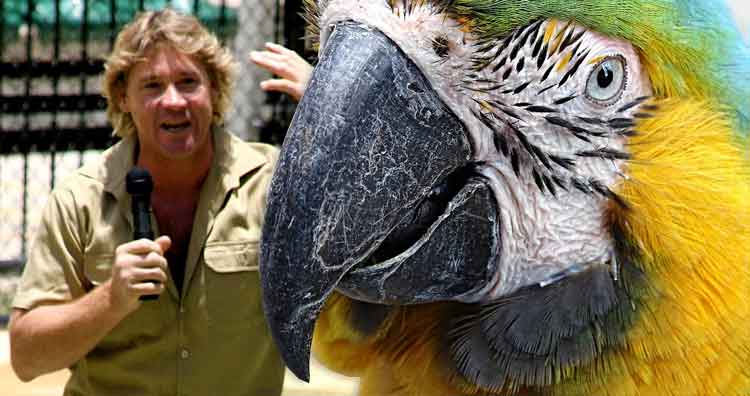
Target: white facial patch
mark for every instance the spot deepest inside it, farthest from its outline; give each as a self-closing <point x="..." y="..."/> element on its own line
<point x="548" y="108"/>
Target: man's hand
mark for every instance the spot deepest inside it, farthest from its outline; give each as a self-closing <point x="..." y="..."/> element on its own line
<point x="139" y="269"/>
<point x="294" y="71"/>
<point x="52" y="337"/>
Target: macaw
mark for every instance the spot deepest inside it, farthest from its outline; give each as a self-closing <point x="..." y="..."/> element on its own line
<point x="507" y="197"/>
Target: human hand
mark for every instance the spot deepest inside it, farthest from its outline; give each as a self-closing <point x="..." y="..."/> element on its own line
<point x="294" y="71"/>
<point x="139" y="269"/>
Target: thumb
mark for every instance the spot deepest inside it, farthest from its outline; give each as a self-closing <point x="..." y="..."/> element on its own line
<point x="164" y="242"/>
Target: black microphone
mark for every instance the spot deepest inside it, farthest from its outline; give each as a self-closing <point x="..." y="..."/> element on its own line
<point x="139" y="185"/>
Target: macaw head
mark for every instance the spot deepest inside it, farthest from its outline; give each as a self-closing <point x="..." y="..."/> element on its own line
<point x="563" y="170"/>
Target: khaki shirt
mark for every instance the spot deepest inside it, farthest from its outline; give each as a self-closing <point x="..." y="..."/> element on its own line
<point x="211" y="341"/>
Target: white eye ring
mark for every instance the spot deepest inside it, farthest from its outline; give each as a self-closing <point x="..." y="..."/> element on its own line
<point x="607" y="81"/>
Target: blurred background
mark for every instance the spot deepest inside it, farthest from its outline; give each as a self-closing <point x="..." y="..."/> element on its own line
<point x="52" y="116"/>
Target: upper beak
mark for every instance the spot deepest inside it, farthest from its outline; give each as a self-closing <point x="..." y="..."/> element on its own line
<point x="375" y="194"/>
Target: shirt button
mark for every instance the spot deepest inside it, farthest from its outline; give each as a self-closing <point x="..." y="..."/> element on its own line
<point x="184" y="353"/>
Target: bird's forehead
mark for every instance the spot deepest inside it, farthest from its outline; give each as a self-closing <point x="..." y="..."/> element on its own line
<point x="418" y="27"/>
<point x="399" y="23"/>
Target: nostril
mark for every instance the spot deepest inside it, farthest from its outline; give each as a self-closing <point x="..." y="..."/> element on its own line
<point x="414" y="87"/>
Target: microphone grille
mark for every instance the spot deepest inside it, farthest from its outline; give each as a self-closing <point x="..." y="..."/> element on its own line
<point x="138" y="181"/>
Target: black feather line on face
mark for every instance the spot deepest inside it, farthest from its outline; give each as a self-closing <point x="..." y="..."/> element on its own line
<point x="536" y="31"/>
<point x="574" y="53"/>
<point x="604" y="153"/>
<point x="514" y="161"/>
<point x="643" y="116"/>
<point x="591" y="120"/>
<point x="564" y="100"/>
<point x="501" y="144"/>
<point x="572" y="71"/>
<point x="486" y="47"/>
<point x="510" y="113"/>
<point x="540" y="109"/>
<point x="577" y="131"/>
<point x="546" y="75"/>
<point x="537" y="46"/>
<point x="559" y="182"/>
<point x="488" y="89"/>
<point x="581" y="186"/>
<point x="543" y="90"/>
<point x="566" y="163"/>
<point x="521" y="88"/>
<point x="621" y="123"/>
<point x="519" y="66"/>
<point x="499" y="64"/>
<point x="633" y="104"/>
<point x="542" y="56"/>
<point x="571" y="39"/>
<point x="507" y="73"/>
<point x="535" y="336"/>
<point x="550" y="186"/>
<point x="538" y="180"/>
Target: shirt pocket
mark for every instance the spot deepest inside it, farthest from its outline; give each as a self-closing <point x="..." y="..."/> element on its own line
<point x="138" y="327"/>
<point x="232" y="282"/>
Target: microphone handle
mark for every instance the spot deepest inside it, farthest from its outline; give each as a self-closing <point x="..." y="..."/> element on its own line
<point x="142" y="229"/>
<point x="141" y="218"/>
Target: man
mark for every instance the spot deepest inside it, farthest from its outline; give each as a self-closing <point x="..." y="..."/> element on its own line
<point x="167" y="84"/>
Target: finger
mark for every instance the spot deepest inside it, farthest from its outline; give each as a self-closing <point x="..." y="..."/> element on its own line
<point x="139" y="247"/>
<point x="146" y="288"/>
<point x="269" y="65"/>
<point x="265" y="56"/>
<point x="126" y="263"/>
<point x="282" y="70"/>
<point x="152" y="260"/>
<point x="282" y="85"/>
<point x="164" y="242"/>
<point x="141" y="275"/>
<point x="278" y="48"/>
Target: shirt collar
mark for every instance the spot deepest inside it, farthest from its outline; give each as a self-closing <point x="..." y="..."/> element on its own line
<point x="233" y="159"/>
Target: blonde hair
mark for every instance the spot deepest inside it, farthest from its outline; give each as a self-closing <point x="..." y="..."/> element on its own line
<point x="185" y="34"/>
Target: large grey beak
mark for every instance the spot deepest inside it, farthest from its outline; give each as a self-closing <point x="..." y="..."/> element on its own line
<point x="375" y="194"/>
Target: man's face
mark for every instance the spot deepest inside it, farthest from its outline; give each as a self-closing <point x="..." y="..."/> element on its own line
<point x="169" y="98"/>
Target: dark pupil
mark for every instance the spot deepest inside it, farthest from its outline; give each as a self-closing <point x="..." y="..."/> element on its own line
<point x="605" y="76"/>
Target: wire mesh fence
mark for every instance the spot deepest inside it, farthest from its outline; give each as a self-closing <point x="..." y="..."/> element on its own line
<point x="52" y="114"/>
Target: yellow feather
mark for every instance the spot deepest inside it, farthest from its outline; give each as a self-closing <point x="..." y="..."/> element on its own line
<point x="335" y="344"/>
<point x="564" y="61"/>
<point x="688" y="190"/>
<point x="550" y="30"/>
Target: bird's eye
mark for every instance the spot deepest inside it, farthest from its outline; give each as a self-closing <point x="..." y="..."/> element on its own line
<point x="607" y="81"/>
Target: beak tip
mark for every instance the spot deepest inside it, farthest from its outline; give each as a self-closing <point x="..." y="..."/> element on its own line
<point x="292" y="335"/>
<point x="302" y="371"/>
<point x="296" y="355"/>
